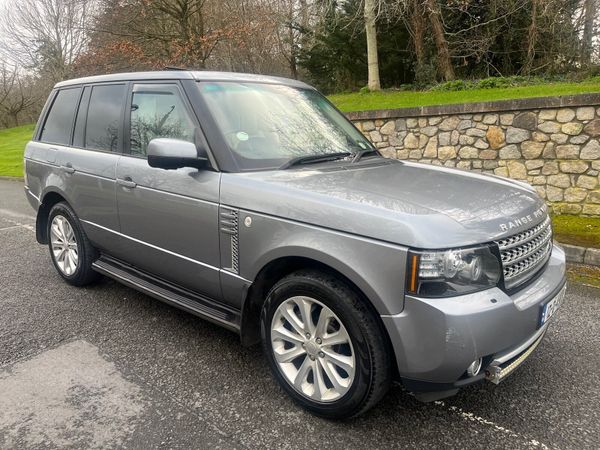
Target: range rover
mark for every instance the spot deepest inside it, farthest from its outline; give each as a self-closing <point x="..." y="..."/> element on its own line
<point x="252" y="202"/>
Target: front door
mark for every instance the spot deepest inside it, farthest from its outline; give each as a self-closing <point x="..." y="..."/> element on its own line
<point x="168" y="218"/>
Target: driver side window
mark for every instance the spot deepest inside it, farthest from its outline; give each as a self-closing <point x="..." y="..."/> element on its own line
<point x="157" y="111"/>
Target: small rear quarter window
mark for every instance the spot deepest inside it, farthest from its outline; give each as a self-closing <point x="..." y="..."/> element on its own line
<point x="59" y="122"/>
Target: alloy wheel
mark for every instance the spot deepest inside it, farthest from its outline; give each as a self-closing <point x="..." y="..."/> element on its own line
<point x="64" y="245"/>
<point x="312" y="349"/>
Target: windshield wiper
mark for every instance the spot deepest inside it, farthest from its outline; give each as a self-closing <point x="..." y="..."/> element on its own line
<point x="359" y="154"/>
<point x="311" y="159"/>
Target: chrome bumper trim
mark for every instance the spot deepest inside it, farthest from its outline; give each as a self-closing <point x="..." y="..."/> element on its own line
<point x="503" y="357"/>
<point x="496" y="373"/>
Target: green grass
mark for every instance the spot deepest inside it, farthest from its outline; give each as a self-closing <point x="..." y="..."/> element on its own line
<point x="588" y="275"/>
<point x="575" y="230"/>
<point x="12" y="144"/>
<point x="404" y="99"/>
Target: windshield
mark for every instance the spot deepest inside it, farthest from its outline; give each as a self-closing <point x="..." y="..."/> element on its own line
<point x="266" y="126"/>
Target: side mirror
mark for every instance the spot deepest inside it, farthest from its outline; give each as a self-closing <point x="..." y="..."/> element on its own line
<point x="166" y="153"/>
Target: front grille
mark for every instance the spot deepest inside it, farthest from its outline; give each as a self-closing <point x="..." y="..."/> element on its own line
<point x="524" y="253"/>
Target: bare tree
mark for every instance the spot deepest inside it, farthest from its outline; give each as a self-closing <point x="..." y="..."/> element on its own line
<point x="45" y="35"/>
<point x="371" y="31"/>
<point x="17" y="95"/>
<point x="294" y="22"/>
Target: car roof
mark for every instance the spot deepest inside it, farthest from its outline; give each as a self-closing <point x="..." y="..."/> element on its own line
<point x="183" y="75"/>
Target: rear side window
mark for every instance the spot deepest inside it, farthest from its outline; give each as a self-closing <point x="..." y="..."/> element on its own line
<point x="59" y="122"/>
<point x="104" y="117"/>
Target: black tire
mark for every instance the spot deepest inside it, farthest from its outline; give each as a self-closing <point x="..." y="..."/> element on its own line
<point x="372" y="353"/>
<point x="87" y="254"/>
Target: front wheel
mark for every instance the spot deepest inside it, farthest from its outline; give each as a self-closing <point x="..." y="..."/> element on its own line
<point x="71" y="252"/>
<point x="324" y="345"/>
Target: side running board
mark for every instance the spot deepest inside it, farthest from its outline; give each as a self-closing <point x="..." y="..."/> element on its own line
<point x="168" y="293"/>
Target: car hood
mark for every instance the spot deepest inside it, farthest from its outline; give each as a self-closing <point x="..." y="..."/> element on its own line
<point x="409" y="204"/>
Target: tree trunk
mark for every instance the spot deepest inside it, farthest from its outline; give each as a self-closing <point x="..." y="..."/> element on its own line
<point x="439" y="35"/>
<point x="417" y="25"/>
<point x="372" y="59"/>
<point x="531" y="38"/>
<point x="588" y="30"/>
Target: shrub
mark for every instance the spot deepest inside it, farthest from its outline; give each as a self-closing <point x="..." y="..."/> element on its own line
<point x="490" y="83"/>
<point x="454" y="85"/>
<point x="425" y="75"/>
<point x="406" y="87"/>
<point x="494" y="82"/>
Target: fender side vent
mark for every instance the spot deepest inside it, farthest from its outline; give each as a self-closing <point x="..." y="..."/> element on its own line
<point x="229" y="226"/>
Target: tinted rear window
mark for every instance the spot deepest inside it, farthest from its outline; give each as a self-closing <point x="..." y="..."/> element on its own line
<point x="57" y="128"/>
<point x="104" y="117"/>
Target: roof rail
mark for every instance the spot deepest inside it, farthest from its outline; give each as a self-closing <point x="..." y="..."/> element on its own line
<point x="175" y="68"/>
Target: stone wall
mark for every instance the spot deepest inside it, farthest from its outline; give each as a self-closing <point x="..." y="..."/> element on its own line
<point x="552" y="143"/>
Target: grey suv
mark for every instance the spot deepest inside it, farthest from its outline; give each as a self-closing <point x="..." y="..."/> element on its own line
<point x="252" y="202"/>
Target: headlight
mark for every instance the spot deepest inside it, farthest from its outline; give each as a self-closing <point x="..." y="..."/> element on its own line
<point x="452" y="272"/>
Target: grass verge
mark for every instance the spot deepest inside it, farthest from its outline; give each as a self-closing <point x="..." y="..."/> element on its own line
<point x="393" y="99"/>
<point x="575" y="230"/>
<point x="588" y="275"/>
<point x="12" y="144"/>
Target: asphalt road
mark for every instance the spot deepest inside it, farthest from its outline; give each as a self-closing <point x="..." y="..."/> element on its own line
<point x="106" y="366"/>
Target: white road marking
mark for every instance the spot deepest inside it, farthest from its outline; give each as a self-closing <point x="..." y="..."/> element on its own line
<point x="16" y="223"/>
<point x="20" y="225"/>
<point x="67" y="396"/>
<point x="478" y="419"/>
<point x="11" y="227"/>
<point x="8" y="212"/>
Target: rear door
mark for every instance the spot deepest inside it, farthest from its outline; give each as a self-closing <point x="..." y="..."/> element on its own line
<point x="90" y="163"/>
<point x="53" y="135"/>
<point x="168" y="218"/>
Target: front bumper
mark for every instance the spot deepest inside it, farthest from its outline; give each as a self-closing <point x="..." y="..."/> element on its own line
<point x="435" y="340"/>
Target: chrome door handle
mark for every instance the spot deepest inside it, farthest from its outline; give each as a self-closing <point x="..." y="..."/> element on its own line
<point x="126" y="182"/>
<point x="68" y="168"/>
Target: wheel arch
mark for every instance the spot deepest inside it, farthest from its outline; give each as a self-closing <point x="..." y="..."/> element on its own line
<point x="48" y="200"/>
<point x="274" y="271"/>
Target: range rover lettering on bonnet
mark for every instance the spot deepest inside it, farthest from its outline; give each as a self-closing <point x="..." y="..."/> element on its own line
<point x="520" y="221"/>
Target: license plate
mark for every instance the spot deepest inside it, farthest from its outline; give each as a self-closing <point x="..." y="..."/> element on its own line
<point x="549" y="308"/>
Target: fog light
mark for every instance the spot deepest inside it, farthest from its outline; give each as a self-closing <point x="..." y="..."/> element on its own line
<point x="474" y="368"/>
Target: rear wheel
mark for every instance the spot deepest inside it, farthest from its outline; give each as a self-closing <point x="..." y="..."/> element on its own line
<point x="71" y="252"/>
<point x="324" y="345"/>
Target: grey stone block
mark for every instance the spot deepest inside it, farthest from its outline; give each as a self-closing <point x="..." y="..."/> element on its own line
<point x="592" y="257"/>
<point x="574" y="253"/>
